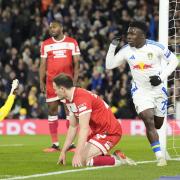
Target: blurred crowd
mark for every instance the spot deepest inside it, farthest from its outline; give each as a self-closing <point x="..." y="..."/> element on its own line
<point x="93" y="23"/>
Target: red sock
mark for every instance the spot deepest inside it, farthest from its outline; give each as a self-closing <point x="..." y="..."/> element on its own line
<point x="103" y="161"/>
<point x="67" y="124"/>
<point x="53" y="128"/>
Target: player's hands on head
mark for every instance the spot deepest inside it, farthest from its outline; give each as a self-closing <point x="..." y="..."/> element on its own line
<point x="116" y="40"/>
<point x="62" y="158"/>
<point x="155" y="80"/>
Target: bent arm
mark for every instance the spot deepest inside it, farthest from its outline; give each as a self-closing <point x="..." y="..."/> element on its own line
<point x="173" y="63"/>
<point x="113" y="61"/>
<point x="4" y="111"/>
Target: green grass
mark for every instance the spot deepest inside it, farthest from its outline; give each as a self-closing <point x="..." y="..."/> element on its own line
<point x="29" y="159"/>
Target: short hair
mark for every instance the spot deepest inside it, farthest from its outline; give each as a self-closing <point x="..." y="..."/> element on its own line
<point x="63" y="80"/>
<point x="140" y="25"/>
<point x="56" y="22"/>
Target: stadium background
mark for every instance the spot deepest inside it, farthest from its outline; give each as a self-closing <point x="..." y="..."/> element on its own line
<point x="94" y="23"/>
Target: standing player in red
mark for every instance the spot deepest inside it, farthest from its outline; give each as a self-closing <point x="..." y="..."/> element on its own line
<point x="59" y="54"/>
<point x="90" y="112"/>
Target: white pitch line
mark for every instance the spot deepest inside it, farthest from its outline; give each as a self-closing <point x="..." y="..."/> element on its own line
<point x="9" y="145"/>
<point x="69" y="171"/>
<point x="145" y="162"/>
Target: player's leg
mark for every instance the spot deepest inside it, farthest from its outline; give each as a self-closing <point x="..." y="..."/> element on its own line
<point x="158" y="121"/>
<point x="53" y="103"/>
<point x="160" y="111"/>
<point x="93" y="156"/>
<point x="53" y="126"/>
<point x="96" y="150"/>
<point x="161" y="108"/>
<point x="148" y="117"/>
<point x="158" y="124"/>
<point x="145" y="106"/>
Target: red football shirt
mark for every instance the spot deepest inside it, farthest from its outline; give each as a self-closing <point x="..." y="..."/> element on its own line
<point x="102" y="120"/>
<point x="59" y="55"/>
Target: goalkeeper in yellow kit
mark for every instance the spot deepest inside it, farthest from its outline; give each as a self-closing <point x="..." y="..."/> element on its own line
<point x="4" y="110"/>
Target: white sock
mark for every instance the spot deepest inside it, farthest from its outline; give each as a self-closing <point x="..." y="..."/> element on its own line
<point x="117" y="161"/>
<point x="158" y="154"/>
<point x="56" y="143"/>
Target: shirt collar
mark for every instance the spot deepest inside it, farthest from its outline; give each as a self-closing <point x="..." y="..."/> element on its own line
<point x="59" y="40"/>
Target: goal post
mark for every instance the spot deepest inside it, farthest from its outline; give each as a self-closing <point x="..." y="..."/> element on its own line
<point x="169" y="35"/>
<point x="163" y="38"/>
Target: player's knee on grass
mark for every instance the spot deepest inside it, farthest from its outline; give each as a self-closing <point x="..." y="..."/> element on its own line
<point x="90" y="152"/>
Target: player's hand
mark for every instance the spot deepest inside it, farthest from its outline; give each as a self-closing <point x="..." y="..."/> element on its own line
<point x="77" y="162"/>
<point x="62" y="158"/>
<point x="155" y="80"/>
<point x="42" y="86"/>
<point x="116" y="40"/>
<point x="14" y="86"/>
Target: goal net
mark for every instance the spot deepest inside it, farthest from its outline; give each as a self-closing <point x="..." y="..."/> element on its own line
<point x="173" y="84"/>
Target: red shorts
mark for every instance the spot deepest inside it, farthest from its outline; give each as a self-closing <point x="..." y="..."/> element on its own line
<point x="50" y="92"/>
<point x="51" y="96"/>
<point x="104" y="142"/>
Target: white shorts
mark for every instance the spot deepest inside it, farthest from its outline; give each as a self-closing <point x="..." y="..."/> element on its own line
<point x="155" y="98"/>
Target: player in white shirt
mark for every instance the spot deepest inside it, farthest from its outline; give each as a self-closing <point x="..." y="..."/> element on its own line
<point x="149" y="94"/>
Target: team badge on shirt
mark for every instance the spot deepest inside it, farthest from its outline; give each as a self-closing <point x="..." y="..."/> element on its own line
<point x="150" y="56"/>
<point x="72" y="107"/>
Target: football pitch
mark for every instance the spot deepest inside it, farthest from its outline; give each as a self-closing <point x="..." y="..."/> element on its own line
<point x="21" y="157"/>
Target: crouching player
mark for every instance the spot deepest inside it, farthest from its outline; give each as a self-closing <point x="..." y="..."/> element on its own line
<point x="90" y="112"/>
<point x="4" y="111"/>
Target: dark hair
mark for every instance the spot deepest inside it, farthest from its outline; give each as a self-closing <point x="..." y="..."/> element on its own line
<point x="140" y="25"/>
<point x="63" y="80"/>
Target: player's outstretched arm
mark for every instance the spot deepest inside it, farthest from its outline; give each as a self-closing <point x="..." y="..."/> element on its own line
<point x="69" y="139"/>
<point x="4" y="111"/>
<point x="78" y="159"/>
<point x="112" y="60"/>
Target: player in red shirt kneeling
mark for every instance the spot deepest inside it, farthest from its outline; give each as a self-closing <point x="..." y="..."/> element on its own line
<point x="90" y="112"/>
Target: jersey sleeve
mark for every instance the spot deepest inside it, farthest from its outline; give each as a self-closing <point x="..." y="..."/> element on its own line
<point x="7" y="107"/>
<point x="84" y="105"/>
<point x="43" y="52"/>
<point x="165" y="53"/>
<point x="112" y="60"/>
<point x="170" y="58"/>
<point x="76" y="50"/>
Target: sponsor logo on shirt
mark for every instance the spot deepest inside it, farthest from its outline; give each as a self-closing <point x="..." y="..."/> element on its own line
<point x="59" y="53"/>
<point x="150" y="56"/>
<point x="142" y="66"/>
<point x="132" y="57"/>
